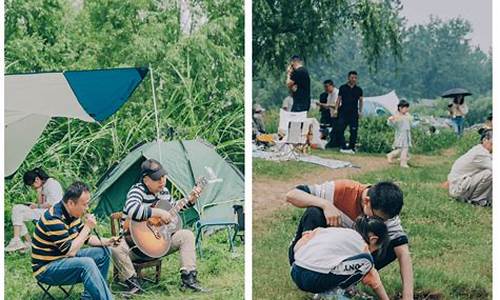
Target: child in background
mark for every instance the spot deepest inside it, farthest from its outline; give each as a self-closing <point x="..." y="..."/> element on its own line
<point x="336" y="258"/>
<point x="402" y="122"/>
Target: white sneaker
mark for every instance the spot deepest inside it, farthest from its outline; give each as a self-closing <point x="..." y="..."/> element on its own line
<point x="14" y="245"/>
<point x="347" y="151"/>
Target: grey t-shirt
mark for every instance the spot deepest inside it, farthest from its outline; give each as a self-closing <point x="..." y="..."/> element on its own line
<point x="52" y="191"/>
<point x="474" y="161"/>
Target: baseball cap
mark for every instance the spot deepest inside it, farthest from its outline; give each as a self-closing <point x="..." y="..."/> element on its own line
<point x="153" y="169"/>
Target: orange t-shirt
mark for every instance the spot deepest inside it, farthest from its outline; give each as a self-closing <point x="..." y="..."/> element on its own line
<point x="347" y="197"/>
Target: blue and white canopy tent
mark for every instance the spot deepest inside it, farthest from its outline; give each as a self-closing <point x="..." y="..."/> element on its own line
<point x="31" y="100"/>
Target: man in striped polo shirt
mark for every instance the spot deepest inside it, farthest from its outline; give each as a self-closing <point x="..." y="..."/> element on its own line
<point x="57" y="255"/>
<point x="140" y="198"/>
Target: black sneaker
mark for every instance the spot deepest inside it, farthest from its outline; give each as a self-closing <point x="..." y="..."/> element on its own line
<point x="133" y="286"/>
<point x="190" y="282"/>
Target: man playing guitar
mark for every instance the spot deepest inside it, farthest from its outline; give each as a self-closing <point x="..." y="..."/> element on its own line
<point x="139" y="206"/>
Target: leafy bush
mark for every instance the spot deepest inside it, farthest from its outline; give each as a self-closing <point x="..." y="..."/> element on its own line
<point x="375" y="136"/>
<point x="198" y="79"/>
<point x="467" y="141"/>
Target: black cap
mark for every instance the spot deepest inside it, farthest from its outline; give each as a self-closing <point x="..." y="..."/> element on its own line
<point x="153" y="169"/>
<point x="295" y="57"/>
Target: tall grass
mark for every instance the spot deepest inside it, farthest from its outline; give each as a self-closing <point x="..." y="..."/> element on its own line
<point x="198" y="81"/>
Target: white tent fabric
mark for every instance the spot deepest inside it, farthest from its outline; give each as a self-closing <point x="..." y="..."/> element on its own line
<point x="47" y="94"/>
<point x="30" y="102"/>
<point x="389" y="101"/>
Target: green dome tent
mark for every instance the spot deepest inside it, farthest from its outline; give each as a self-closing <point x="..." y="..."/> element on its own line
<point x="184" y="161"/>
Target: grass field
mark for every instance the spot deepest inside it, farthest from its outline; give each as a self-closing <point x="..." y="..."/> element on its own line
<point x="219" y="269"/>
<point x="450" y="242"/>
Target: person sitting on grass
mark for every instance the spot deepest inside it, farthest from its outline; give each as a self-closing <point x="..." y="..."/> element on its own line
<point x="329" y="259"/>
<point x="470" y="179"/>
<point x="337" y="203"/>
<point x="49" y="191"/>
<point x="402" y="122"/>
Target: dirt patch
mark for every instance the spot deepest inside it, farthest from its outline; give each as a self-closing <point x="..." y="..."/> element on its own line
<point x="269" y="194"/>
<point x="424" y="296"/>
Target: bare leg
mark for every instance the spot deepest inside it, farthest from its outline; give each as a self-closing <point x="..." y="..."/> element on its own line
<point x="17" y="231"/>
<point x="404" y="157"/>
<point x="27" y="237"/>
<point x="392" y="155"/>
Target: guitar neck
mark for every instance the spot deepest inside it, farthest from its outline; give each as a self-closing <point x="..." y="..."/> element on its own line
<point x="178" y="206"/>
<point x="183" y="202"/>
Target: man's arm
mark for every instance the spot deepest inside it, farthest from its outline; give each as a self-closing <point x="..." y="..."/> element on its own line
<point x="360" y="105"/>
<point x="39" y="196"/>
<point x="302" y="199"/>
<point x="78" y="242"/>
<point x="104" y="242"/>
<point x="289" y="82"/>
<point x="406" y="270"/>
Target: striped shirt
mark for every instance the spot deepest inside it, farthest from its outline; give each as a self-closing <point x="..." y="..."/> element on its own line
<point x="53" y="236"/>
<point x="139" y="202"/>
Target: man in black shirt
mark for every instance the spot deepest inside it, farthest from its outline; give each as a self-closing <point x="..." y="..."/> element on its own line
<point x="350" y="108"/>
<point x="299" y="83"/>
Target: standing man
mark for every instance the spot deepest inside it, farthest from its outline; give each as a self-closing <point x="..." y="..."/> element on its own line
<point x="350" y="108"/>
<point x="57" y="256"/>
<point x="299" y="83"/>
<point x="141" y="198"/>
<point x="327" y="107"/>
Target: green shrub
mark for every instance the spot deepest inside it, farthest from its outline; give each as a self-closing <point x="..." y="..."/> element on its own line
<point x="375" y="136"/>
<point x="198" y="81"/>
<point x="467" y="141"/>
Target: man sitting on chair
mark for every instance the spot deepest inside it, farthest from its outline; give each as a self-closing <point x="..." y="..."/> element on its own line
<point x="140" y="198"/>
<point x="57" y="256"/>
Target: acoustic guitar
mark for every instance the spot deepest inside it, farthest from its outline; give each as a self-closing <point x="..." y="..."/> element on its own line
<point x="152" y="238"/>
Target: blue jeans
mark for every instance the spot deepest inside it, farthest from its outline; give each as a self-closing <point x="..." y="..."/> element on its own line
<point x="458" y="124"/>
<point x="315" y="282"/>
<point x="89" y="266"/>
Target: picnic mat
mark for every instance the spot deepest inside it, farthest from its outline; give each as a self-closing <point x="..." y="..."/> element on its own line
<point x="289" y="155"/>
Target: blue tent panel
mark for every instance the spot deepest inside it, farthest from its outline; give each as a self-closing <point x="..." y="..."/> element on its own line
<point x="102" y="92"/>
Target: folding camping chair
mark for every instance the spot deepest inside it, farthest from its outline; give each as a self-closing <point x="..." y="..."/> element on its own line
<point x="46" y="290"/>
<point x="138" y="266"/>
<point x="217" y="215"/>
<point x="296" y="139"/>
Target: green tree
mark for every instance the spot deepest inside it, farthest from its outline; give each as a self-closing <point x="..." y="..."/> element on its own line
<point x="283" y="28"/>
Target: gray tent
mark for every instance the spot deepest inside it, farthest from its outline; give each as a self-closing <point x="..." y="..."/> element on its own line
<point x="185" y="161"/>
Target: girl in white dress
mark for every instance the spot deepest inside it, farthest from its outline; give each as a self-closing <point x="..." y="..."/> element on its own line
<point x="402" y="122"/>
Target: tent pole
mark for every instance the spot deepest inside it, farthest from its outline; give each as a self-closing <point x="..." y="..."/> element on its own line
<point x="156" y="111"/>
<point x="69" y="136"/>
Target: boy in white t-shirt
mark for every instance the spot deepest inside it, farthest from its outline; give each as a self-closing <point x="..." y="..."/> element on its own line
<point x="49" y="192"/>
